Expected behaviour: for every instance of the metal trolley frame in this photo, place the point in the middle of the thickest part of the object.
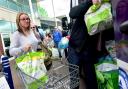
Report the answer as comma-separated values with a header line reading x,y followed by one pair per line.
x,y
60,76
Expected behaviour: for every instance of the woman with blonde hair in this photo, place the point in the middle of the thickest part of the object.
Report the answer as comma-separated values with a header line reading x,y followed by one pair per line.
x,y
23,40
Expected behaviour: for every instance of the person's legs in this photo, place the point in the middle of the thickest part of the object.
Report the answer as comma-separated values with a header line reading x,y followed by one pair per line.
x,y
73,58
89,70
66,52
90,76
59,51
56,44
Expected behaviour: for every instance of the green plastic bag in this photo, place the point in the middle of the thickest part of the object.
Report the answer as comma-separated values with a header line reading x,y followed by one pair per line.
x,y
98,18
32,67
107,73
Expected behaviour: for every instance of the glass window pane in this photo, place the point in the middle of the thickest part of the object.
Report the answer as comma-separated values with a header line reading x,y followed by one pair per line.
x,y
14,27
5,27
6,38
25,2
33,1
26,9
3,3
19,7
12,5
20,1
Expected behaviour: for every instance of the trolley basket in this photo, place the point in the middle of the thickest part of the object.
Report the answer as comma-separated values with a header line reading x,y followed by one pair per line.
x,y
60,76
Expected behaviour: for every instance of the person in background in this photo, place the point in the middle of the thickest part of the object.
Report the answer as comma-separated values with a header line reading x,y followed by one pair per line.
x,y
64,33
23,40
82,47
48,40
41,32
36,32
57,35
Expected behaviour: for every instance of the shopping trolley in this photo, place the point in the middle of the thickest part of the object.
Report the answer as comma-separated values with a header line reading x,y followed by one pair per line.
x,y
60,76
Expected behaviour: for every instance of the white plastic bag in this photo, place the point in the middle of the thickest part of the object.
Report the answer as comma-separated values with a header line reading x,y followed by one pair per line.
x,y
99,20
32,64
55,53
63,43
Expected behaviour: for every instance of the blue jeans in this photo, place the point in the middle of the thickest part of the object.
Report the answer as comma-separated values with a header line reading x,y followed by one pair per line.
x,y
85,61
56,45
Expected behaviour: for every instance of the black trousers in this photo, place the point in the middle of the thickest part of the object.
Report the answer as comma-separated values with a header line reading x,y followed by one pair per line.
x,y
85,60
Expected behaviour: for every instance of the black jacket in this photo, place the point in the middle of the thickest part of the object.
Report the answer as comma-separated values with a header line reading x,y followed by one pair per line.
x,y
79,38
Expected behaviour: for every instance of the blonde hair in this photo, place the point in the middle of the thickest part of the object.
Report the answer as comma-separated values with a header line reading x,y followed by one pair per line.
x,y
18,21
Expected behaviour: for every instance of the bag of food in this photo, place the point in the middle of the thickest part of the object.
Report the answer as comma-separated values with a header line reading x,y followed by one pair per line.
x,y
32,64
98,18
107,73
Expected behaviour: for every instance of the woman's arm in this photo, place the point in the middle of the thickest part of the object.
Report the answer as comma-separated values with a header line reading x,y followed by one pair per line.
x,y
80,10
15,50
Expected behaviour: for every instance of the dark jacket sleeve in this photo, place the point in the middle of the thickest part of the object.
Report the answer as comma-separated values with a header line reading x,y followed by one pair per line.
x,y
80,10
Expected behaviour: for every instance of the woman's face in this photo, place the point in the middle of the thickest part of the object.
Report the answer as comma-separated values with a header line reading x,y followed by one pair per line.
x,y
24,21
33,27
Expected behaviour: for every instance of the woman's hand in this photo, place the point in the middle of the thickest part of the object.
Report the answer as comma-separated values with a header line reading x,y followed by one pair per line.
x,y
96,1
27,47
